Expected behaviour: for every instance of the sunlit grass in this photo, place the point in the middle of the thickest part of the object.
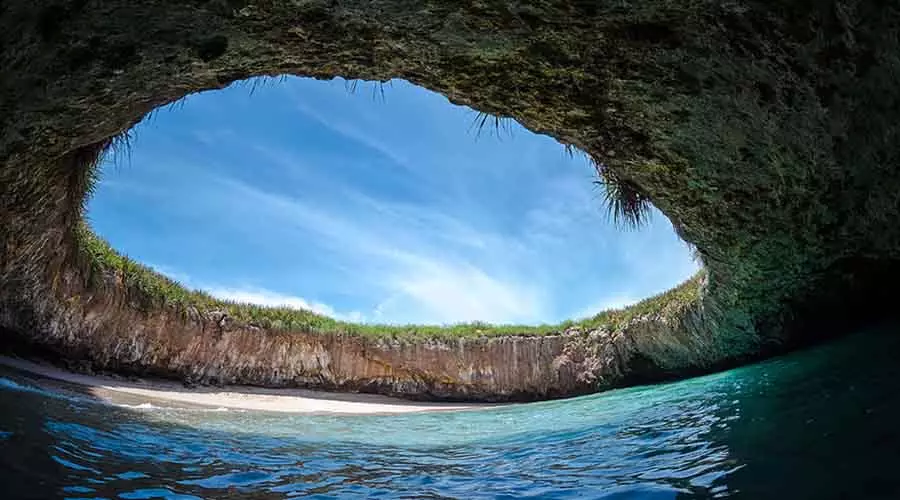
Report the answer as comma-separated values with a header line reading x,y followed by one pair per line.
x,y
150,290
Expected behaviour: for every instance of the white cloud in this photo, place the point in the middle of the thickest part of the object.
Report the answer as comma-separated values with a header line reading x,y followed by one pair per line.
x,y
257,296
269,298
454,292
419,260
421,263
413,259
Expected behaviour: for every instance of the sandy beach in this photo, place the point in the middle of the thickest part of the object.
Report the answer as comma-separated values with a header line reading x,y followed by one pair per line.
x,y
174,394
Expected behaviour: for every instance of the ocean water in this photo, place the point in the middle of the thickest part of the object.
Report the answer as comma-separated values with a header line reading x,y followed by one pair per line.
x,y
818,424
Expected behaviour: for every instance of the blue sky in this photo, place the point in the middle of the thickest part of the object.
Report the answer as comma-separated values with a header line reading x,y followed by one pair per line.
x,y
388,210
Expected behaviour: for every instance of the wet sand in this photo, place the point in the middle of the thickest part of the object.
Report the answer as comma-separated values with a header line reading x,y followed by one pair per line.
x,y
174,394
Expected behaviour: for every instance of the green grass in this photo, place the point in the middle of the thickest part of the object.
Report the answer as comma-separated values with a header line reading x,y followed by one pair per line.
x,y
149,291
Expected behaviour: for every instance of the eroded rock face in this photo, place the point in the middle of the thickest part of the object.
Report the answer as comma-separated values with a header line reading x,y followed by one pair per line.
x,y
102,332
768,131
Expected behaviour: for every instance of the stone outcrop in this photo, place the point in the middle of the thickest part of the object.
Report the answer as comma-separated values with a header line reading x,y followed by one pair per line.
x,y
767,131
102,331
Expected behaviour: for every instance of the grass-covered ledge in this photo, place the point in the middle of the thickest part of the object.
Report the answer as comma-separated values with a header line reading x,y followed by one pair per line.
x,y
149,290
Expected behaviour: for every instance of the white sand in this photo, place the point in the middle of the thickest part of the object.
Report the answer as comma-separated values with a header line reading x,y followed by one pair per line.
x,y
234,397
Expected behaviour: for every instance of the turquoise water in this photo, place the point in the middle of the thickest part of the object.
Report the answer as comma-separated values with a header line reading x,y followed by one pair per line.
x,y
817,424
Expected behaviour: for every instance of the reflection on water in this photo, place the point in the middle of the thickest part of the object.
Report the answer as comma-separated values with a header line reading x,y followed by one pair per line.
x,y
818,424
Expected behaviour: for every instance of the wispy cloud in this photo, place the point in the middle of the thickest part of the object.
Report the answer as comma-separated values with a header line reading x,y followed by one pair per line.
x,y
263,297
249,294
418,260
353,133
449,292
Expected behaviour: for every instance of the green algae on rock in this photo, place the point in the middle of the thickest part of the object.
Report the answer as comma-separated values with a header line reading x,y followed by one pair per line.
x,y
766,131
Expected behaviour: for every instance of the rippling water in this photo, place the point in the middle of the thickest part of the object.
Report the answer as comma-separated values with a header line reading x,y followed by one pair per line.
x,y
818,424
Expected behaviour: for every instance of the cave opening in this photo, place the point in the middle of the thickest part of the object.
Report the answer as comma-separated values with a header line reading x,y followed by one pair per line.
x,y
377,202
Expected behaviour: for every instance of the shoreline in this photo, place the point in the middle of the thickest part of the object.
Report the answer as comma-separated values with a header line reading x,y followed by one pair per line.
x,y
116,391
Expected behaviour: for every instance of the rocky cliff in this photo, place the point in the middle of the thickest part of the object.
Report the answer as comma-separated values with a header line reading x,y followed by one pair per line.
x,y
104,330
